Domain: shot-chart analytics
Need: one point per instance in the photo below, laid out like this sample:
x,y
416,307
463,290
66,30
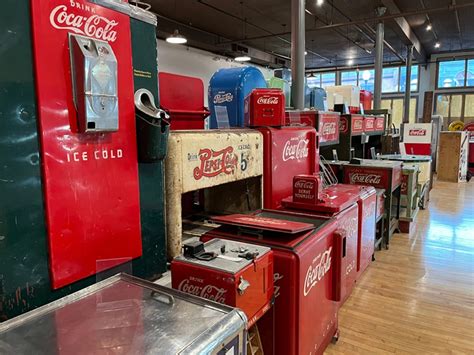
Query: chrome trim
x,y
133,11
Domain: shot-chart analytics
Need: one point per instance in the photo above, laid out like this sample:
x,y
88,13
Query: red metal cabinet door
x,y
367,211
90,180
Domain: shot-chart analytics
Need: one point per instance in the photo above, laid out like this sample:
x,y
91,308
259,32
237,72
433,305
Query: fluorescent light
x,y
350,61
429,27
176,38
437,45
242,58
319,2
366,75
305,53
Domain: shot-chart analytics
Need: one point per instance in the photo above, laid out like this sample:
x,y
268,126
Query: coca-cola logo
x,y
316,271
295,149
92,26
417,132
304,184
343,126
370,179
329,128
379,122
358,124
369,123
268,100
209,292
221,98
214,163
276,285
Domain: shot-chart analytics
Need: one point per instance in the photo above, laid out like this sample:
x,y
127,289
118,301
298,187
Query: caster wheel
x,y
373,257
335,338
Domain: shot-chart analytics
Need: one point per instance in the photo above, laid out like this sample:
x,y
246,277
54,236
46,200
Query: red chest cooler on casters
x,y
310,272
287,151
309,198
234,273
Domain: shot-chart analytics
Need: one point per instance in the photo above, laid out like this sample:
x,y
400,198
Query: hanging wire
x,y
329,178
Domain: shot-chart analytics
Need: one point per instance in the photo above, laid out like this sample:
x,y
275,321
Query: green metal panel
x,y
151,175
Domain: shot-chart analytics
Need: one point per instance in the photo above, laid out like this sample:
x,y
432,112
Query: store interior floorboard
x,y
418,297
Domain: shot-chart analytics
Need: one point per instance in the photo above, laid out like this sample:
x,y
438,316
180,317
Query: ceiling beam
x,y
404,31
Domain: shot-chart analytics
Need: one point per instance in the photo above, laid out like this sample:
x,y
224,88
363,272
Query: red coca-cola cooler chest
x,y
326,123
265,107
183,98
380,174
330,202
287,151
310,270
239,275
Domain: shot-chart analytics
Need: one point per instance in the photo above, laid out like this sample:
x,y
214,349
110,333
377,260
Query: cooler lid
x,y
231,260
264,223
122,314
406,158
335,199
379,163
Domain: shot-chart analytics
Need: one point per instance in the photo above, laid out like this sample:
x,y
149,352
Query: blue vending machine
x,y
228,89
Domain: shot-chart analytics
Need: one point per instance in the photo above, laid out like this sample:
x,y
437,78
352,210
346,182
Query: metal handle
x,y
339,253
160,296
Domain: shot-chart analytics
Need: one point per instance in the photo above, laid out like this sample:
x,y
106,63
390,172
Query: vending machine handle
x,y
339,255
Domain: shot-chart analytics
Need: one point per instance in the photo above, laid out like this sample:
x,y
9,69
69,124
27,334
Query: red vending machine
x,y
311,264
88,140
309,197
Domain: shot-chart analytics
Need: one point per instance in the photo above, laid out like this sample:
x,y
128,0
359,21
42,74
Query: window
x,y
328,79
470,73
349,78
452,74
396,106
390,79
393,79
413,78
455,106
321,80
366,80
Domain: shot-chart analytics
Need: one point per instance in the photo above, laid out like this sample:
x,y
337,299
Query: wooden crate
x,y
453,156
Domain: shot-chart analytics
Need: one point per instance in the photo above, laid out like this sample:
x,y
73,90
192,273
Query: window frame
x,y
442,60
463,105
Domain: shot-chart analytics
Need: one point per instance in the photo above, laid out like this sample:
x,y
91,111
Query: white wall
x,y
183,60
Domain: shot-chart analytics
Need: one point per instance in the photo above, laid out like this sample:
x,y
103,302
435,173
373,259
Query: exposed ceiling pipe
x,y
388,45
271,34
423,6
458,24
365,20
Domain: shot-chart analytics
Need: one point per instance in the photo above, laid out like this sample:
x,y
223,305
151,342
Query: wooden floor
x,y
418,297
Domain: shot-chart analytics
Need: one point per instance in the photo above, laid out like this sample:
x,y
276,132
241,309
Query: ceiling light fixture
x,y
319,2
242,58
176,38
437,45
305,53
429,27
350,62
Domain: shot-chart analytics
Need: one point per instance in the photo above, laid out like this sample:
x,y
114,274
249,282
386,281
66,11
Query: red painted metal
x,y
222,285
288,151
337,198
357,124
183,98
388,178
90,180
313,272
369,124
307,189
265,107
379,124
366,98
263,223
326,123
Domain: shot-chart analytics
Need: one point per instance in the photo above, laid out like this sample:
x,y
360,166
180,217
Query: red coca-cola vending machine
x,y
311,267
309,197
326,124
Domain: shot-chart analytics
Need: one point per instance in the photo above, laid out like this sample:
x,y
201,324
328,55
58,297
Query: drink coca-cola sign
x,y
295,149
363,178
316,271
304,184
357,124
209,292
214,163
97,26
268,100
223,97
417,132
329,129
